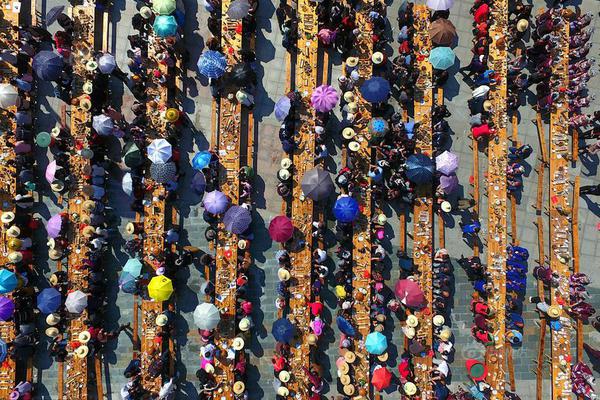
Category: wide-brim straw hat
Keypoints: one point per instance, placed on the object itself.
(89, 205)
(553, 311)
(15, 256)
(239, 387)
(13, 232)
(146, 12)
(284, 174)
(161, 320)
(352, 61)
(412, 321)
(53, 279)
(446, 206)
(354, 146)
(84, 337)
(349, 390)
(55, 131)
(377, 57)
(57, 185)
(52, 332)
(55, 254)
(383, 357)
(88, 231)
(410, 388)
(445, 333)
(85, 104)
(381, 219)
(238, 343)
(209, 368)
(283, 274)
(7, 217)
(312, 339)
(82, 351)
(286, 163)
(88, 87)
(349, 357)
(348, 133)
(283, 391)
(352, 107)
(91, 65)
(284, 376)
(349, 97)
(345, 379)
(522, 25)
(410, 332)
(487, 105)
(244, 324)
(52, 319)
(343, 367)
(242, 244)
(438, 320)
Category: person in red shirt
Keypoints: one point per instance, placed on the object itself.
(482, 13)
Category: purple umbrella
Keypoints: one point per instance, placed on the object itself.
(327, 36)
(449, 183)
(199, 183)
(237, 219)
(447, 163)
(215, 202)
(324, 98)
(7, 308)
(282, 108)
(51, 171)
(54, 226)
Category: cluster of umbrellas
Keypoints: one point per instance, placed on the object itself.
(447, 164)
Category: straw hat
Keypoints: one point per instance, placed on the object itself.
(130, 228)
(239, 387)
(379, 328)
(445, 334)
(52, 319)
(352, 107)
(284, 174)
(91, 65)
(377, 57)
(146, 12)
(55, 131)
(487, 105)
(244, 324)
(242, 244)
(89, 205)
(238, 343)
(283, 274)
(14, 231)
(283, 391)
(53, 279)
(553, 311)
(312, 339)
(57, 185)
(349, 97)
(286, 163)
(354, 146)
(85, 104)
(171, 115)
(438, 320)
(348, 133)
(14, 244)
(284, 376)
(446, 206)
(349, 357)
(7, 217)
(349, 390)
(15, 257)
(85, 219)
(343, 367)
(161, 320)
(522, 25)
(88, 87)
(412, 321)
(345, 380)
(52, 332)
(88, 231)
(352, 61)
(84, 337)
(381, 219)
(82, 351)
(383, 357)
(410, 332)
(410, 389)
(209, 368)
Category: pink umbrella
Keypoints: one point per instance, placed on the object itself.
(51, 171)
(324, 98)
(281, 229)
(410, 293)
(327, 36)
(54, 226)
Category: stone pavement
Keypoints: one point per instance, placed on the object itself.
(271, 68)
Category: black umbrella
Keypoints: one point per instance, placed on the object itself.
(48, 65)
(317, 184)
(53, 14)
(163, 173)
(242, 74)
(238, 9)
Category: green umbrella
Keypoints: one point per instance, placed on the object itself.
(163, 7)
(43, 139)
(249, 171)
(132, 156)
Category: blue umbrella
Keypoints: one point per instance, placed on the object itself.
(48, 300)
(419, 169)
(345, 326)
(165, 25)
(375, 90)
(3, 350)
(442, 57)
(237, 219)
(8, 281)
(215, 202)
(103, 124)
(48, 65)
(283, 330)
(199, 183)
(376, 343)
(378, 127)
(212, 64)
(133, 266)
(127, 283)
(201, 160)
(345, 209)
(282, 108)
(7, 308)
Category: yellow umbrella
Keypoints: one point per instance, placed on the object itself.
(340, 292)
(160, 288)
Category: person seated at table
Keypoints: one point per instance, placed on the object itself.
(482, 336)
(483, 130)
(471, 228)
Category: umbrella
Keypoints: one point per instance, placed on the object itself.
(281, 229)
(381, 379)
(165, 25)
(345, 209)
(375, 90)
(163, 173)
(446, 163)
(3, 350)
(449, 183)
(7, 308)
(8, 95)
(132, 156)
(49, 300)
(439, 5)
(107, 63)
(163, 7)
(207, 316)
(212, 64)
(43, 139)
(127, 283)
(317, 184)
(76, 302)
(8, 281)
(127, 184)
(324, 98)
(345, 326)
(159, 151)
(283, 330)
(199, 183)
(376, 343)
(160, 288)
(51, 171)
(282, 108)
(201, 160)
(419, 169)
(133, 266)
(241, 74)
(237, 219)
(442, 32)
(54, 226)
(378, 127)
(215, 202)
(103, 124)
(48, 65)
(409, 293)
(442, 57)
(238, 9)
(53, 14)
(327, 36)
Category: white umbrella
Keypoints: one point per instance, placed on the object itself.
(206, 316)
(439, 5)
(8, 95)
(76, 302)
(127, 184)
(107, 63)
(480, 91)
(159, 151)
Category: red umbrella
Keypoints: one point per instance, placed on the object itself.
(281, 229)
(409, 293)
(381, 379)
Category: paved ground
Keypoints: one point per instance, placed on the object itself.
(263, 280)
